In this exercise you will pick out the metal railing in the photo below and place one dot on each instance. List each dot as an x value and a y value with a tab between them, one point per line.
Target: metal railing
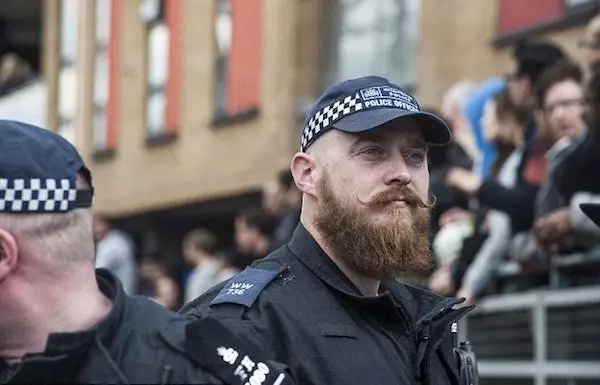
541	337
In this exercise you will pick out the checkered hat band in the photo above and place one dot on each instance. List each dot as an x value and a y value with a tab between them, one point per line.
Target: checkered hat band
37	195
324	118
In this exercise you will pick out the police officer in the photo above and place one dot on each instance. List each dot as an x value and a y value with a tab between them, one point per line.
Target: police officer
63	322
327	304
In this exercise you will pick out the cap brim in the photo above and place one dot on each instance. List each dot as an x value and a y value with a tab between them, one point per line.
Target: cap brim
592	211
435	130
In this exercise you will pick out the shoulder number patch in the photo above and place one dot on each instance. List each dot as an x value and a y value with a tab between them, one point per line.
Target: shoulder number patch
244	288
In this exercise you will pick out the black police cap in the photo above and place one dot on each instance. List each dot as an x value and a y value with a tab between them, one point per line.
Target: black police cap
365	103
38	171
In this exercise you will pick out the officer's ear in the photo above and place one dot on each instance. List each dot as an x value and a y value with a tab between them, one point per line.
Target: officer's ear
303	170
9	254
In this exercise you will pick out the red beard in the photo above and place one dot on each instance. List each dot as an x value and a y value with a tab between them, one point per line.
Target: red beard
398	246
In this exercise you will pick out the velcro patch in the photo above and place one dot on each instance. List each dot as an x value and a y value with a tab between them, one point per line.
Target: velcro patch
244	288
215	347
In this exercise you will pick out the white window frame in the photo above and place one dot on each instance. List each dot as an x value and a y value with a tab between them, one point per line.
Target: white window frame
157	63
372	38
101	74
67	89
223	37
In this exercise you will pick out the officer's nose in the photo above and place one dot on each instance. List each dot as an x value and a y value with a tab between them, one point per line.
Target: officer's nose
397	171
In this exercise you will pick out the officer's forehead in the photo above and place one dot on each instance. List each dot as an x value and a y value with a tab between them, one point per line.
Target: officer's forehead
408	133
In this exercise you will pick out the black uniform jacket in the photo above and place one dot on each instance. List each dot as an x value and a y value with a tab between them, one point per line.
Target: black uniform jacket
139	342
299	306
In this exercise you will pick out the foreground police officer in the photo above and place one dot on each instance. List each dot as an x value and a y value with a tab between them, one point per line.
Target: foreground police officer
327	303
63	322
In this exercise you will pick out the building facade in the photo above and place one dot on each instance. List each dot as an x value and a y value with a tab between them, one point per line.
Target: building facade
183	109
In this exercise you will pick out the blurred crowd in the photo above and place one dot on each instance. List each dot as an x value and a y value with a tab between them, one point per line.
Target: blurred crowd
508	189
257	231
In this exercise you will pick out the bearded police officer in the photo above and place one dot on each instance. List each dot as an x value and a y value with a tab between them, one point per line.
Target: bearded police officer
63	322
327	304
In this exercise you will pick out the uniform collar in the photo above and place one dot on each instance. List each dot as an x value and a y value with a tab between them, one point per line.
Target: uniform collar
106	329
307	250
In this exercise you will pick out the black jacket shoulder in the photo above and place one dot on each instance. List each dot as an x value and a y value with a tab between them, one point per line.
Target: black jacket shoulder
148	346
137	342
295	306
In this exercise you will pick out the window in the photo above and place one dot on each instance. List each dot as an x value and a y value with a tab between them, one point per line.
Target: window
162	19
367	37
68	31
101	75
223	40
67	89
238	41
152	12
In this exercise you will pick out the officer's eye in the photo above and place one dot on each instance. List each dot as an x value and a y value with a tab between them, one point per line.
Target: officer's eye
372	151
416	157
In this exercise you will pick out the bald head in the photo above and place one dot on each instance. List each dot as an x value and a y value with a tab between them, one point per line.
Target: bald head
454	99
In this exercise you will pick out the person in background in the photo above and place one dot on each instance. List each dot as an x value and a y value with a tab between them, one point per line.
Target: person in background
454	217
452	111
577	178
156	283
477	251
560	99
291	215
531	59
273	198
115	251
254	229
590	47
441	160
166	292
504	125
150	271
473	110
209	267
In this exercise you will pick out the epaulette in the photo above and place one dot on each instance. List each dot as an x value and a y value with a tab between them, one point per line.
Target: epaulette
217	349
244	288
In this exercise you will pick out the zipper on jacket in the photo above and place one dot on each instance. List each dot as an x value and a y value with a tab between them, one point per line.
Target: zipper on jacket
166	375
424	328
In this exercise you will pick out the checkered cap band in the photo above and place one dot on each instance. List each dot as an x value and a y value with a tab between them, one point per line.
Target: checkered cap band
324	118
37	195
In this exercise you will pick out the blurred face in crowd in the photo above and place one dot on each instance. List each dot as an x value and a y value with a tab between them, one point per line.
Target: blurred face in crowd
150	269
246	237
590	45
273	198
100	228
499	128
489	123
371	198
563	108
192	255
520	88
